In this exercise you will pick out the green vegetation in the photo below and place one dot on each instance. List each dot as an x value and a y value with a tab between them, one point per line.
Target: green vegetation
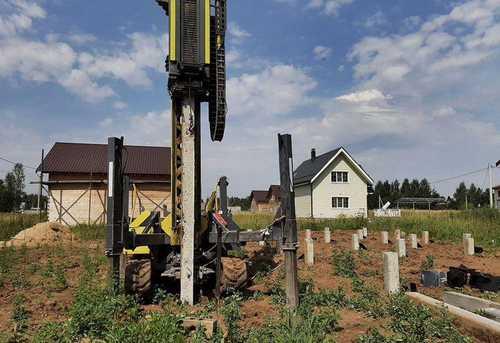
428	263
13	223
89	232
447	226
344	264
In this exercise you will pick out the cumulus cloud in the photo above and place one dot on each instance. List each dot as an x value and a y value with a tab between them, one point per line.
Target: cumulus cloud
236	33
18	15
321	52
83	73
363	96
273	91
330	7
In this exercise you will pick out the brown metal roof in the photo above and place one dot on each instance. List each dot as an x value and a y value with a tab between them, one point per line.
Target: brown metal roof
275	190
259	196
265	196
92	158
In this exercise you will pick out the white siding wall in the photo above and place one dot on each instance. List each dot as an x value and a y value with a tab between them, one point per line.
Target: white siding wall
303	201
355	190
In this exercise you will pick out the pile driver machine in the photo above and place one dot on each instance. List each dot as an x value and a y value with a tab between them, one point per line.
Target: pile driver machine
193	248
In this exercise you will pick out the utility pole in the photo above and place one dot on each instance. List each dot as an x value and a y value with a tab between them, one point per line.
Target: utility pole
290	226
490	172
40	188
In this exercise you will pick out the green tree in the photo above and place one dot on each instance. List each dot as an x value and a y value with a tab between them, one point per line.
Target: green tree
425	189
405	188
460	195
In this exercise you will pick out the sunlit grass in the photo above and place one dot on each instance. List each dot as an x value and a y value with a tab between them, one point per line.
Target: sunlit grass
448	226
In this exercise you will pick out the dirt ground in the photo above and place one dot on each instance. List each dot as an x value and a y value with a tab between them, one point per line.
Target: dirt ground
47	300
370	268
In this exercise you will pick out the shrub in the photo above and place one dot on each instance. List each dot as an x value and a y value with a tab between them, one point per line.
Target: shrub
95	311
158	328
344	264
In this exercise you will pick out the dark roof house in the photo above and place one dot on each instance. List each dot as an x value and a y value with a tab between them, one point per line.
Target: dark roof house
266	196
78	158
311	168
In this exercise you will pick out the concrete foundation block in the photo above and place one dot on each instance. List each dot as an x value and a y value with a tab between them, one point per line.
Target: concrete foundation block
384	237
355	242
360	234
391	272
328	235
469	247
413	241
365	232
401	247
425	238
308	234
309	252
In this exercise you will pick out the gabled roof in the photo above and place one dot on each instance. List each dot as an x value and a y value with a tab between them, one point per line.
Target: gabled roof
274	190
259	196
265	196
92	158
310	169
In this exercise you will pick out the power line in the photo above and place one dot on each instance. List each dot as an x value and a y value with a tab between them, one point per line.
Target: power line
14	163
459	176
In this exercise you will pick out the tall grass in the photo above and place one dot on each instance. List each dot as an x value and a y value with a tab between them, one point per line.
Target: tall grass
448	226
483	224
12	223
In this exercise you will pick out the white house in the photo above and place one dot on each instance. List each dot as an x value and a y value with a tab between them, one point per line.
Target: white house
331	185
497	196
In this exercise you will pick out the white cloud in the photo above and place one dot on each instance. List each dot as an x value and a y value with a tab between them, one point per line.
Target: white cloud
130	66
79	83
80	72
275	90
322	52
237	33
364	96
376	20
330	7
81	38
35	61
120	105
18	16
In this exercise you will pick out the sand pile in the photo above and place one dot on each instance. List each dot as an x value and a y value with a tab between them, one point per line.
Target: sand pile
41	234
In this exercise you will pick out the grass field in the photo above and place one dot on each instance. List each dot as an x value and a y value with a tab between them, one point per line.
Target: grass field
449	226
60	293
12	223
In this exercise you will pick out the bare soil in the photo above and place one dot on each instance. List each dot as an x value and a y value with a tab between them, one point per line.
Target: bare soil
46	301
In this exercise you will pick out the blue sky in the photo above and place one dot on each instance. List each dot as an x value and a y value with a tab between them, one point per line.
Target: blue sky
411	88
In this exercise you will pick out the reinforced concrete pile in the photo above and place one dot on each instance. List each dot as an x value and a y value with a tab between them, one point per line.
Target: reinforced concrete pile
47	233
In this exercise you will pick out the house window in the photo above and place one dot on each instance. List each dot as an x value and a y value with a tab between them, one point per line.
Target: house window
340	202
340	177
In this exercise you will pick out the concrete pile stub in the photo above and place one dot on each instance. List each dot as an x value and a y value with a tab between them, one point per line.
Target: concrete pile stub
391	272
328	235
309	252
384	237
401	247
355	242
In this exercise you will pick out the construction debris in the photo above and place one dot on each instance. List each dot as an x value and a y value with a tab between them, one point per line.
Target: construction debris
466	317
459	277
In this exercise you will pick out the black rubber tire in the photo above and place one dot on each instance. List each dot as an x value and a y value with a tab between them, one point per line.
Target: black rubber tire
138	277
